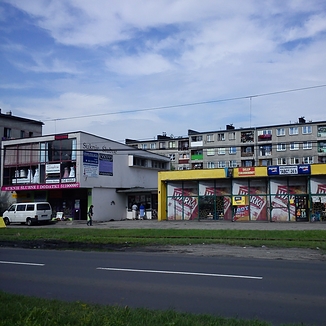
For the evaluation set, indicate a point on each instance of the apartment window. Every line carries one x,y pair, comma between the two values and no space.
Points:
210,151
281,147
220,136
221,151
294,146
144,146
281,161
308,160
306,130
30,134
265,150
210,137
171,144
162,145
293,131
172,157
22,134
294,160
307,145
231,135
6,132
210,165
152,145
221,164
233,164
280,132
232,150
196,138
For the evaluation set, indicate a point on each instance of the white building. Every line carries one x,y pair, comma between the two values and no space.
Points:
74,170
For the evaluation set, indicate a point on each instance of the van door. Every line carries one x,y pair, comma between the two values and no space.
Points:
20,215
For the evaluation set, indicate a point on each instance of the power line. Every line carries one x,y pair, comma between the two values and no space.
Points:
190,104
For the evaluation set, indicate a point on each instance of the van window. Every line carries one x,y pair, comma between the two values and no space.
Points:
11,208
30,207
21,208
43,207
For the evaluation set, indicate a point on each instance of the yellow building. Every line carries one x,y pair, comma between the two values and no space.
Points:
273,193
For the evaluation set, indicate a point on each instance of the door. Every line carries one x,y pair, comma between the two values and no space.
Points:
301,208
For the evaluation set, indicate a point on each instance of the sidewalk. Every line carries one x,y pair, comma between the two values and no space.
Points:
203,225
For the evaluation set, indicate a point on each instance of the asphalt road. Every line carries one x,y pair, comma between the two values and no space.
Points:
277,291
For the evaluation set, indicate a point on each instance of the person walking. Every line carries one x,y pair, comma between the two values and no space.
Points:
134,209
90,214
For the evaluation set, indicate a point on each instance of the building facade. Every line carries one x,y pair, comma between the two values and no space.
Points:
274,193
74,170
13,127
294,143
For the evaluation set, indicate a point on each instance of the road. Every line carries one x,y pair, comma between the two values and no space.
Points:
273,290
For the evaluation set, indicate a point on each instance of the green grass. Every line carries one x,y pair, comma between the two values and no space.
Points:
146,237
17,310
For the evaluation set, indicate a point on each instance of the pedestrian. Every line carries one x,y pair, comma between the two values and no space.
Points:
142,211
134,209
90,214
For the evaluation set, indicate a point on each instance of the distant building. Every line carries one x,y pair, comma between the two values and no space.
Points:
294,143
75,170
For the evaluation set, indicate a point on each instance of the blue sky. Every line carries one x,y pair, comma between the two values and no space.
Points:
97,66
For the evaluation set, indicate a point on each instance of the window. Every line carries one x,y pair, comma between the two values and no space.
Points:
22,134
171,144
281,161
210,151
6,132
144,146
294,160
232,150
293,131
233,164
152,145
172,157
162,145
306,130
221,151
280,132
220,136
210,165
196,138
308,160
210,137
281,147
232,135
265,150
294,146
221,164
307,145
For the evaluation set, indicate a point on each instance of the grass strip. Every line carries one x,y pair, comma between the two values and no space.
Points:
145,237
30,311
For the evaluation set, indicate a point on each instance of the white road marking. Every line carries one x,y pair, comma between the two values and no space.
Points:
179,273
20,263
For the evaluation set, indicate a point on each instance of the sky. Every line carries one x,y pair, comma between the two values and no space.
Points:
137,69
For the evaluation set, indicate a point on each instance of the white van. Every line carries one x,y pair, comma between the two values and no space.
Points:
28,213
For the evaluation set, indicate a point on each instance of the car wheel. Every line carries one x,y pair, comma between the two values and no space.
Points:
29,222
6,220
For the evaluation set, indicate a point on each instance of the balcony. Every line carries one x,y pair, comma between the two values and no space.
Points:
266,137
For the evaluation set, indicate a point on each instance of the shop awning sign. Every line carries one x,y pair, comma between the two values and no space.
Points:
289,169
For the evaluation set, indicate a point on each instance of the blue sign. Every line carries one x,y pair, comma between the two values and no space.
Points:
289,169
90,158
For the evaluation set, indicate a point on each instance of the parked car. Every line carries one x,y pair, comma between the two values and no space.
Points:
29,213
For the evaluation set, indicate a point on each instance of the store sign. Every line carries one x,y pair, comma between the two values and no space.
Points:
246,171
289,169
41,186
52,168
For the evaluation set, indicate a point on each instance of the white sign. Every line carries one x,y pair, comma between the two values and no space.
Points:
52,168
288,169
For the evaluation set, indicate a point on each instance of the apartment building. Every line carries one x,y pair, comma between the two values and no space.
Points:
301,142
175,148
